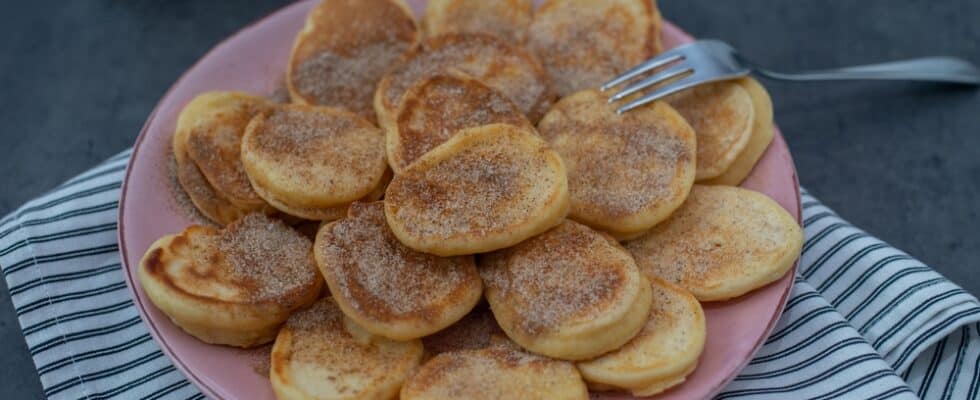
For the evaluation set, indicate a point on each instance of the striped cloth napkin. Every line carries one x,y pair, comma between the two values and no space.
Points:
864,321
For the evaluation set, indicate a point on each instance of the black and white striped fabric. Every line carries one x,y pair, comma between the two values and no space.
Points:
865,320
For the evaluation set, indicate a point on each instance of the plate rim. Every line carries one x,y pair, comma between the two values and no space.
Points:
210,392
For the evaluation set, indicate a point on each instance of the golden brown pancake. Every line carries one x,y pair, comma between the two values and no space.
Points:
584,43
570,293
509,69
214,124
722,243
345,48
388,288
485,188
497,372
506,19
321,354
628,172
207,200
664,352
763,131
436,108
722,115
233,286
301,157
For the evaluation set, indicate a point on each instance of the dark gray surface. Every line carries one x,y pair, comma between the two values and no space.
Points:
78,78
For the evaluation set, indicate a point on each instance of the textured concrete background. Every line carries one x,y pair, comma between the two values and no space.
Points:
78,78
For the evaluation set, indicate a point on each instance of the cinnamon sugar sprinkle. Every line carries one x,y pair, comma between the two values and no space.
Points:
382,277
556,277
269,256
507,69
437,108
347,80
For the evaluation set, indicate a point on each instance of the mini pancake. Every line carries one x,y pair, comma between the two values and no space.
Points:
388,288
584,43
345,48
763,131
484,189
570,293
321,354
213,124
233,286
300,157
628,172
509,69
506,19
722,115
722,243
664,352
208,201
438,107
496,372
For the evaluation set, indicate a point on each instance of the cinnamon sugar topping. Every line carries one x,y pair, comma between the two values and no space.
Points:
383,278
269,257
554,278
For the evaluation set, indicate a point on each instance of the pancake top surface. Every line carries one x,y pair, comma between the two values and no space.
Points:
718,236
344,50
496,372
483,180
211,127
255,259
620,165
507,19
506,68
722,115
584,43
315,156
382,278
563,277
438,107
331,357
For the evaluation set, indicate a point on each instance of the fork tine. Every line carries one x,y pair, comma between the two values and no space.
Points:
660,93
660,77
664,58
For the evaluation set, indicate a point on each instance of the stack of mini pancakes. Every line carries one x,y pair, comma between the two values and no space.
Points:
485,223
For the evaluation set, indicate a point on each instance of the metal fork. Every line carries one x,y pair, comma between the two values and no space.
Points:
706,61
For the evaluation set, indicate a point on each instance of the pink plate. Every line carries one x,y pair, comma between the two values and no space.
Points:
254,60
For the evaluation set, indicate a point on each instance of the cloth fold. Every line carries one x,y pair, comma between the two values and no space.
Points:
864,320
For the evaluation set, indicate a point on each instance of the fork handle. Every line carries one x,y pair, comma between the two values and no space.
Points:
932,69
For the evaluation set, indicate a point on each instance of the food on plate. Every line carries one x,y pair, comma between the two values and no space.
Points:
626,172
422,168
322,354
388,288
206,146
507,19
763,130
484,189
233,286
664,352
584,43
509,69
722,115
501,371
310,157
436,108
345,48
571,293
722,243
